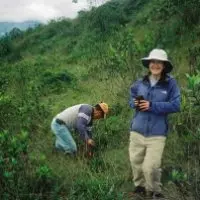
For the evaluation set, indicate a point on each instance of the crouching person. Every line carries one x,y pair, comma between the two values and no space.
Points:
79,118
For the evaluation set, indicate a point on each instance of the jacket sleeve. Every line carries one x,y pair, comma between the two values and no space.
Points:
172,105
81,126
133,94
82,122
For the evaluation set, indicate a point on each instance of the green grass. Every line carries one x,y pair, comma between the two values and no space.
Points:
108,175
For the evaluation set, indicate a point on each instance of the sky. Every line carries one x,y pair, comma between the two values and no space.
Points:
42,10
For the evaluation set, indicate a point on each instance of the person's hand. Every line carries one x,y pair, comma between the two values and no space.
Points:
89,148
136,103
144,105
90,142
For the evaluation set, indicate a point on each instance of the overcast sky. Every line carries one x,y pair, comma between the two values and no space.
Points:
42,10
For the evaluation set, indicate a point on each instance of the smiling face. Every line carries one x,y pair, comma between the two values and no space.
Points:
156,67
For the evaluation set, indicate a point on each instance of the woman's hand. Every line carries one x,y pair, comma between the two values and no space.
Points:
144,105
136,103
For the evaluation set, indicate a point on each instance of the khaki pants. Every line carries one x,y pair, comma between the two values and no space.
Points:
145,157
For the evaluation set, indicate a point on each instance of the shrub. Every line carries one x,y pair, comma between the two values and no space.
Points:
8,113
13,158
57,82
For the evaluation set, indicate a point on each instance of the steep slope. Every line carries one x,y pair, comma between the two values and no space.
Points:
92,58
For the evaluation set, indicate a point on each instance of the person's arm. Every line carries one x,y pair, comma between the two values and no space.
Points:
81,126
133,94
171,106
89,131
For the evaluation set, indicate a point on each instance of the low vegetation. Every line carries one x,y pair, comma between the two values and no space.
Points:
85,60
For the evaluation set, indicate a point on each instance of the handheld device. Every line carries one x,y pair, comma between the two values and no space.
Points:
139,98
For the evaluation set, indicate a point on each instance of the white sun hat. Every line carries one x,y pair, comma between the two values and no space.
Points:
158,54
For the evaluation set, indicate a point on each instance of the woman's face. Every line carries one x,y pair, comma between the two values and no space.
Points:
156,67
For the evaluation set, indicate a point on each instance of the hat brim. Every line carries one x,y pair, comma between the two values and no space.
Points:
168,64
104,114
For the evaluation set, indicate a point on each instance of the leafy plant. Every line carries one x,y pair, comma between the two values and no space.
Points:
178,176
194,86
13,157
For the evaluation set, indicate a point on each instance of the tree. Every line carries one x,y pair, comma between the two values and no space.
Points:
5,46
15,33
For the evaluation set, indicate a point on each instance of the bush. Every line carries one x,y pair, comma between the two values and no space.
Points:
57,82
188,11
6,46
24,108
13,158
8,113
188,131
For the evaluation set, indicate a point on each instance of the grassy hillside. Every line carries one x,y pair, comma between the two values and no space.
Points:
92,58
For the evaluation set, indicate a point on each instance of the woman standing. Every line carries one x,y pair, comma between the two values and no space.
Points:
153,97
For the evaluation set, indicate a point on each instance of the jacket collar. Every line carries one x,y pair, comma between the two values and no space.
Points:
162,81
